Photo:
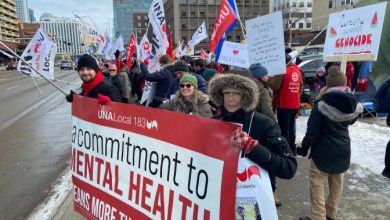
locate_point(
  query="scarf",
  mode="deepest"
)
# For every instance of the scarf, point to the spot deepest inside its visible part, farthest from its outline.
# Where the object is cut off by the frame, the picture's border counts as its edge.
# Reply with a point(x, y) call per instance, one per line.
point(87, 87)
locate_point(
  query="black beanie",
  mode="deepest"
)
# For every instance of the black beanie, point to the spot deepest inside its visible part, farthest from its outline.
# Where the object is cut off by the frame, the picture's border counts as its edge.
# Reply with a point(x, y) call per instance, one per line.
point(88, 61)
point(181, 65)
point(343, 101)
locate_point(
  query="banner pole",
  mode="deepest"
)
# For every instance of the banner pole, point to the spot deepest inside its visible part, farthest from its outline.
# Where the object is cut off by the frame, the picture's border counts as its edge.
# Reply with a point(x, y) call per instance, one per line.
point(62, 81)
point(29, 65)
point(308, 44)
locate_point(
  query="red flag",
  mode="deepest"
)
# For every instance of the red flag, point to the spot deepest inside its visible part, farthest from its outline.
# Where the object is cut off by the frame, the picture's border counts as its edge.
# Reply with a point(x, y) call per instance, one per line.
point(131, 49)
point(170, 48)
point(203, 54)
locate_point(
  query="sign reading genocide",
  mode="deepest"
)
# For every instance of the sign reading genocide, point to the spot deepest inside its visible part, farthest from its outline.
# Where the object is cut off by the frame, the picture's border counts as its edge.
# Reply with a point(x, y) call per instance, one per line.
point(132, 162)
point(355, 31)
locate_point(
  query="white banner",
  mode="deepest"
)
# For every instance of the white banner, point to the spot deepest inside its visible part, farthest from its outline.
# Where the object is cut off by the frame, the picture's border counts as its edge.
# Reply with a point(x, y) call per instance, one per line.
point(179, 50)
point(106, 47)
point(234, 54)
point(254, 196)
point(199, 35)
point(157, 19)
point(265, 40)
point(355, 31)
point(91, 35)
point(144, 48)
point(39, 53)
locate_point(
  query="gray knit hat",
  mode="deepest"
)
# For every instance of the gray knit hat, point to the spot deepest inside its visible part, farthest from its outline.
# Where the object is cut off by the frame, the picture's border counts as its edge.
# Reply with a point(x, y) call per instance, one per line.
point(257, 70)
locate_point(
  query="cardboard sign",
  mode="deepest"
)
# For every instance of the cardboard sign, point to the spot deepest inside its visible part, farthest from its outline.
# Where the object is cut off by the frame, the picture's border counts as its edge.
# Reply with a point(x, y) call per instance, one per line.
point(355, 31)
point(266, 42)
point(132, 162)
point(234, 54)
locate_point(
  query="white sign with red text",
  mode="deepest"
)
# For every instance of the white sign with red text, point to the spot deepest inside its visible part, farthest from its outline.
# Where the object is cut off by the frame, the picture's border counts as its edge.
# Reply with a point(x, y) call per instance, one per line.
point(128, 164)
point(355, 31)
point(234, 54)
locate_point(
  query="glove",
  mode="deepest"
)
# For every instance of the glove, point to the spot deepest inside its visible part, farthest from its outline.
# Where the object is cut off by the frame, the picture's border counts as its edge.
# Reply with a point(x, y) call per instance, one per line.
point(69, 97)
point(116, 54)
point(243, 141)
point(302, 152)
point(103, 100)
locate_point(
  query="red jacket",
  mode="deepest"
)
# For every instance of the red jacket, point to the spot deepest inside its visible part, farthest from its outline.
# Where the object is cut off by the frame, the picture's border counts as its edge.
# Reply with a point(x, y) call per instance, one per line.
point(290, 91)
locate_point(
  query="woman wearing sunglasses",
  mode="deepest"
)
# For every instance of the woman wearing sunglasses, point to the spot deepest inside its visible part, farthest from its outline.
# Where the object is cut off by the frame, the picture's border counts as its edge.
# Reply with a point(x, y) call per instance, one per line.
point(188, 99)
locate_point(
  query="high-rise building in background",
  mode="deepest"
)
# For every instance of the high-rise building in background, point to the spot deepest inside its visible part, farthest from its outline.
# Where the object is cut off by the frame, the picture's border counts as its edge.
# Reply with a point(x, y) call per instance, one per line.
point(9, 24)
point(297, 18)
point(140, 24)
point(123, 15)
point(22, 11)
point(185, 16)
point(31, 14)
point(322, 9)
point(65, 31)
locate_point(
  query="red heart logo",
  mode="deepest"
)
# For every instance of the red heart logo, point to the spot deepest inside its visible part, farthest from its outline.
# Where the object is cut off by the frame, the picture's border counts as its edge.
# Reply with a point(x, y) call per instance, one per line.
point(235, 52)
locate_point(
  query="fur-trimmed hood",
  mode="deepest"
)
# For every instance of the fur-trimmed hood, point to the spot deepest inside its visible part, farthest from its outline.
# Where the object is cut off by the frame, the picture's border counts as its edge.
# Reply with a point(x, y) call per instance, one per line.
point(339, 106)
point(246, 85)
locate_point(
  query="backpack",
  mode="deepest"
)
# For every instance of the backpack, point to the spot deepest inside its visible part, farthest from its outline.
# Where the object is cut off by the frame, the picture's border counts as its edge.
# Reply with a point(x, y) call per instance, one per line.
point(382, 98)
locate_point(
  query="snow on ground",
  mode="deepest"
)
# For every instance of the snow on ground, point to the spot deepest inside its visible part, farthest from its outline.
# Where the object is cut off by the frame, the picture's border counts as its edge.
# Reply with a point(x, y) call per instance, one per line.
point(48, 209)
point(368, 143)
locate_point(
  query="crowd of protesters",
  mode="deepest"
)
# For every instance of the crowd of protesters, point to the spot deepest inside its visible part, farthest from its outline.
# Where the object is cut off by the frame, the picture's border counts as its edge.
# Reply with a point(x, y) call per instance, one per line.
point(266, 106)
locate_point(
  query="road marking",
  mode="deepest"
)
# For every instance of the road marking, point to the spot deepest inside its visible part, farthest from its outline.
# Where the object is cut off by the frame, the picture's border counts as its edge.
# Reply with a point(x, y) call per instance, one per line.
point(13, 87)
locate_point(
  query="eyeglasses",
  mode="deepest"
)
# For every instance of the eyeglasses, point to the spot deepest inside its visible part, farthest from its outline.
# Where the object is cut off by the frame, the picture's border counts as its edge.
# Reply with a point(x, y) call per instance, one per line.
point(185, 85)
point(112, 70)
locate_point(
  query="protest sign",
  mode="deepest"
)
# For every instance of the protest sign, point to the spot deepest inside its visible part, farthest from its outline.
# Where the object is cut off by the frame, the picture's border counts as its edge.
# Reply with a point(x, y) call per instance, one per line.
point(127, 163)
point(266, 42)
point(355, 31)
point(254, 196)
point(234, 54)
point(39, 53)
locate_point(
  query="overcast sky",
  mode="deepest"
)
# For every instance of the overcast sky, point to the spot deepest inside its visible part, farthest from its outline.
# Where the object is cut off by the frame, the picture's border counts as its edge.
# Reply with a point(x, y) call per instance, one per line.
point(100, 11)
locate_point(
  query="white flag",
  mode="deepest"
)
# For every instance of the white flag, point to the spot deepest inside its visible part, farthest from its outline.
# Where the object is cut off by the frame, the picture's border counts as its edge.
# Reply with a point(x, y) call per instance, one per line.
point(39, 53)
point(118, 45)
point(144, 48)
point(91, 36)
point(199, 35)
point(179, 50)
point(157, 19)
point(107, 45)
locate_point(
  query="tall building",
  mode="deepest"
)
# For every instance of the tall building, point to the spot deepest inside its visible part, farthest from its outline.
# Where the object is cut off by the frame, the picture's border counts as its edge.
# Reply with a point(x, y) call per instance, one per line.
point(31, 14)
point(297, 18)
point(185, 16)
point(123, 15)
point(322, 9)
point(9, 23)
point(65, 31)
point(22, 11)
point(140, 24)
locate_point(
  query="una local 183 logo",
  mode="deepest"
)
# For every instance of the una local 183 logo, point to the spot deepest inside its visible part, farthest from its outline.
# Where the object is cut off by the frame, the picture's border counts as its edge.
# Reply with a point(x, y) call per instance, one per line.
point(248, 172)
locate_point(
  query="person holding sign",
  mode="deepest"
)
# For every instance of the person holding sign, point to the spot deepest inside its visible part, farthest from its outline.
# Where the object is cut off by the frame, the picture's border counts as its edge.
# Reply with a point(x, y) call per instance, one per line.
point(188, 99)
point(263, 144)
point(94, 85)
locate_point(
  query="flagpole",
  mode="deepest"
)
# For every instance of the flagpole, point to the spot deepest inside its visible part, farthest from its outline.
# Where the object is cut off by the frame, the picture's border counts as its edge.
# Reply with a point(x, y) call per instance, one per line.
point(308, 44)
point(62, 81)
point(29, 65)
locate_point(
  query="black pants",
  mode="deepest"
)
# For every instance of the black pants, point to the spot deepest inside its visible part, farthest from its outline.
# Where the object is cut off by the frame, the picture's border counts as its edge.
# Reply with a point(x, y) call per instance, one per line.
point(286, 121)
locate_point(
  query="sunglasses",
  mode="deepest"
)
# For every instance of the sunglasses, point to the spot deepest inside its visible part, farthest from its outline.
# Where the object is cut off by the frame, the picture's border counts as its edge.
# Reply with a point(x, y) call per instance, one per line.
point(112, 70)
point(185, 85)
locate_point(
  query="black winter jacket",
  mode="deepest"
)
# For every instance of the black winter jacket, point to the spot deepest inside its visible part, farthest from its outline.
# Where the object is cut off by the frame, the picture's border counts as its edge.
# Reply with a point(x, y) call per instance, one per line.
point(115, 81)
point(164, 79)
point(105, 88)
point(272, 153)
point(327, 131)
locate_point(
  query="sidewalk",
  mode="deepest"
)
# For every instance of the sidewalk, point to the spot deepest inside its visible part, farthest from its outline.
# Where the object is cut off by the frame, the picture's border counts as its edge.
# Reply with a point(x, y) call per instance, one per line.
point(366, 196)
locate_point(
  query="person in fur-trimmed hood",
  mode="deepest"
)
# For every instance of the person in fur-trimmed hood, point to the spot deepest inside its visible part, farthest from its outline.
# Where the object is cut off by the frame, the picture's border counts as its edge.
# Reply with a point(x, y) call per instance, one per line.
point(260, 138)
point(189, 99)
point(328, 138)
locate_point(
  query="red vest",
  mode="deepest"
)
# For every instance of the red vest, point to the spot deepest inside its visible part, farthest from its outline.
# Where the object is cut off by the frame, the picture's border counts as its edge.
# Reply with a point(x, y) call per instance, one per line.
point(290, 89)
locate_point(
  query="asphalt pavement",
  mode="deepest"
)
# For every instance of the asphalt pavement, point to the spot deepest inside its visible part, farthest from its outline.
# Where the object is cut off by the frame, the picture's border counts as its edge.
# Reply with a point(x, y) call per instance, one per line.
point(34, 149)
